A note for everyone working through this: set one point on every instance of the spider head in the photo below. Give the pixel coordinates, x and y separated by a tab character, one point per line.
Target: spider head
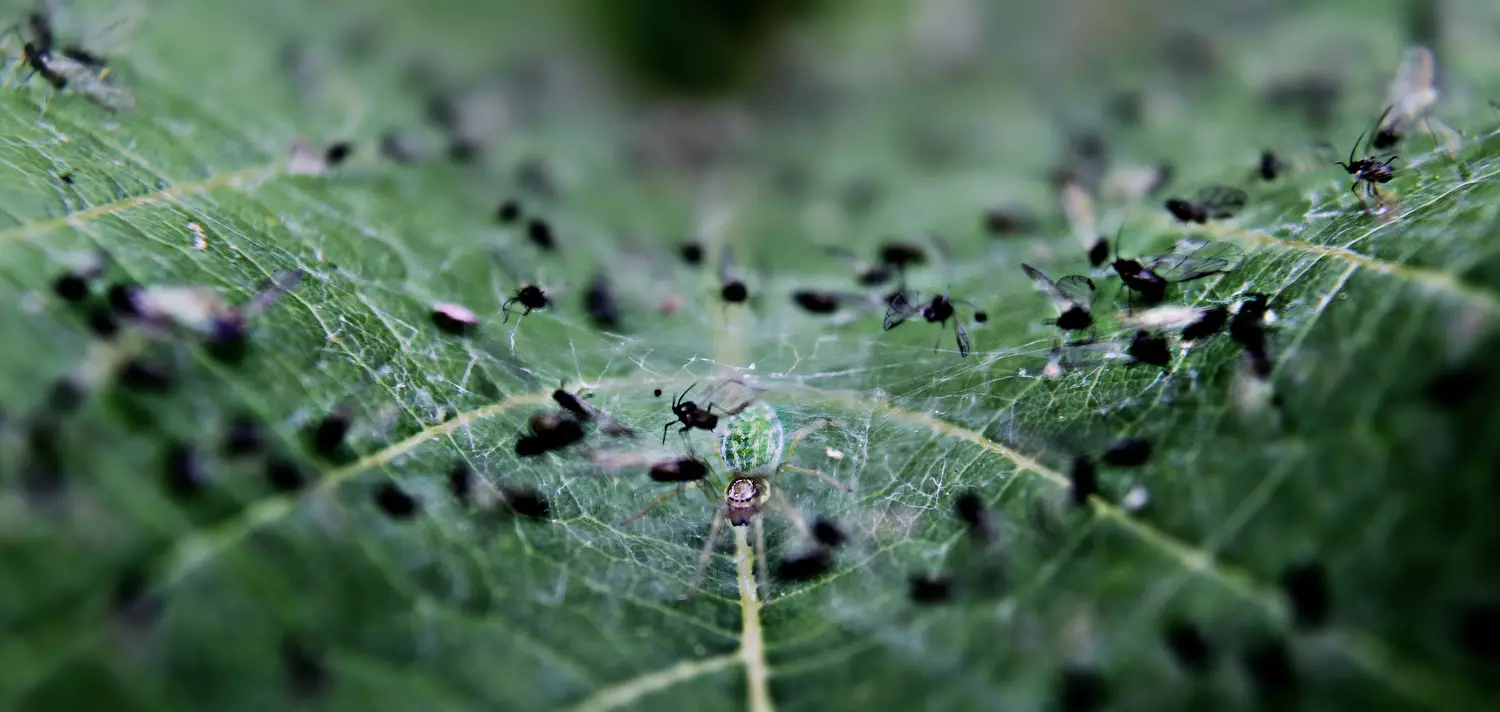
742	500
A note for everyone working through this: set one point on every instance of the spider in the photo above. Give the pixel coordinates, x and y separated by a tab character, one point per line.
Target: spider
751	450
1368	170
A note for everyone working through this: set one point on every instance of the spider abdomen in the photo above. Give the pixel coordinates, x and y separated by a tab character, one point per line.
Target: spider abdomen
753	440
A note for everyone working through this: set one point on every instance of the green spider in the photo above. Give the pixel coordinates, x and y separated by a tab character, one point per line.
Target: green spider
751	449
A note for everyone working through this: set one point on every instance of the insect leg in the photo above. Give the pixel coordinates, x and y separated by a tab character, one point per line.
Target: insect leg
708	551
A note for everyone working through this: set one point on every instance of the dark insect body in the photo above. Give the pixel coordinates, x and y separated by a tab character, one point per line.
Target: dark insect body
1188	261
1149	348
285	475
805	567
1082	689
692	253
1188	647
971	511
1270	166
901	255
1248	326
1370	170
1210	322
395	501
1306	588
454	319
145	377
531	296
1073	297
337	153
734	292
682	469
102	322
330	432
1084	480
461	483
244	437
1127	452
816	302
525	502
828	534
539	231
1269	665
571	403
690	415
599	302
1215	202
1008	221
927	589
508	212
1479	630
937	309
656	393
549	432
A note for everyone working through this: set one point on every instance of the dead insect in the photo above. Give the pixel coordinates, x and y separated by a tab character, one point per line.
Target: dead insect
1008	220
690	415
901	255
692	253
1248	326
1072	296
971	511
454	319
1189	260
732	289
1214	202
682	469
571	403
539	231
530	296
508	212
330	432
1412	95
1083	480
928	589
76	284
1079	209
1146	347
200	309
937	309
828	534
1270	166
1369	170
805	567
395	501
1128	452
549	432
599	303
337	152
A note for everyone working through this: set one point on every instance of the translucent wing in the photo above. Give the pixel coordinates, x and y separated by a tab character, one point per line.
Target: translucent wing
1066	293
899	310
1077	288
726	265
1221	201
1079	209
1413	91
961	337
1193	259
88	81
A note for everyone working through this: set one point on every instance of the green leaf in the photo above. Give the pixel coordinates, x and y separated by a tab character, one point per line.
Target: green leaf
242	597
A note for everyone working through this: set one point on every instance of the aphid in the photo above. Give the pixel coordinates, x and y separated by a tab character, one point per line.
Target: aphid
599	303
571	403
928	589
508	212
461	483
828	534
549	431
1189	260
201	310
692	253
1269	665
394	501
1412	95
328	435
285	475
305	670
531	296
1083	480
1127	452
76	284
1072	296
1369	170
1306	588
937	309
1079	209
1081	689
1146	347
805	567
454	319
244	437
1214	202
337	152
690	415
1188	647
525	502
539	231
143	376
1008	220
972	512
682	469
182	471
1270	166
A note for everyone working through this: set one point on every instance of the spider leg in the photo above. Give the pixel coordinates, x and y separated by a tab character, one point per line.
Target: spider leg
681	489
708	550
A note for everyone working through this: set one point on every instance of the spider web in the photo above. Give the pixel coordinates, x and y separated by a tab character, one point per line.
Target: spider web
456	609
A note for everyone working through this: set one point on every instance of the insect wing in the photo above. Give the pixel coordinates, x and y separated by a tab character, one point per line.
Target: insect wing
961	337
89	82
1195	260
1077	289
1413	91
1079	208
726	265
1221	201
898	311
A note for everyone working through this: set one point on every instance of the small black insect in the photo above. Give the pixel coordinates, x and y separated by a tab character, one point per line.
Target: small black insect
530	296
539	231
1078	207
692	253
656	393
102	322
304	667
395	501
143	376
549	431
1306	588
571	403
599	303
1269	665
508	212
804	567
1248	326
182	471
1189	647
1073	296
690	415
828	534
329	433
1370	170
682	469
1146	347
1214	202
1081	689
817	302
928	589
1210	322
937	309
285	475
1011	220
66	177
525	502
901	255
1128	452
454	319
1189	260
461	483
244	437
337	152
1270	166
732	289
972	512
1084	480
